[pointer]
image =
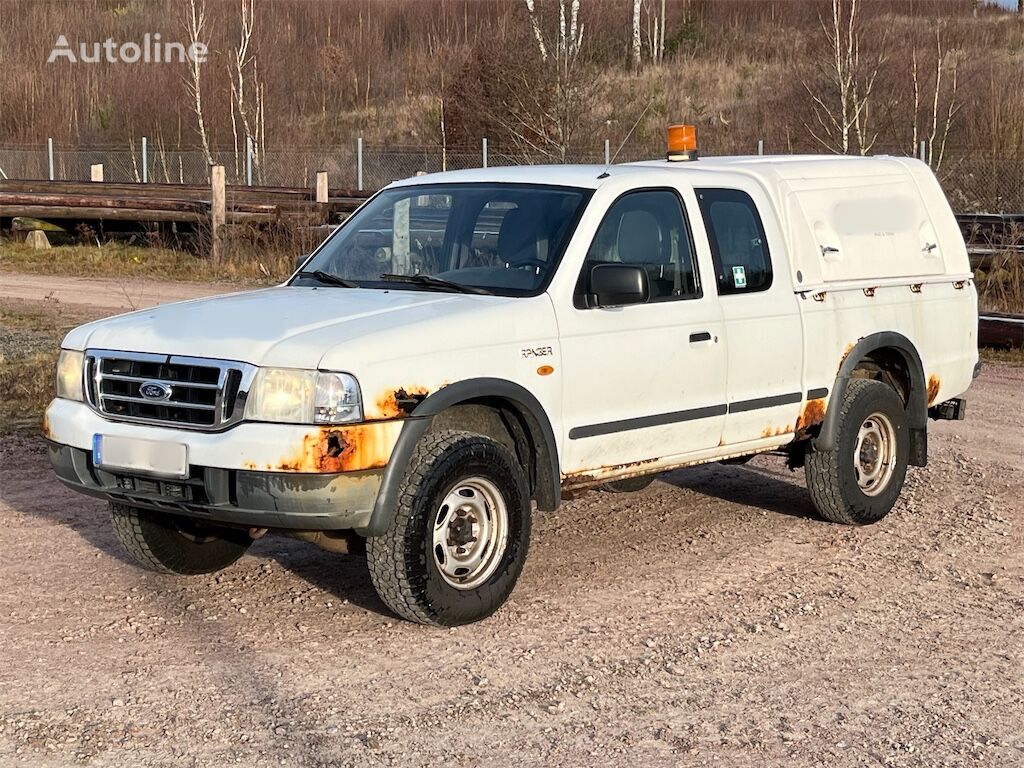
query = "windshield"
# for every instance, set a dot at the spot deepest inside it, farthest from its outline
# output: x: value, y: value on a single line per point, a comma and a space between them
x: 482, y: 238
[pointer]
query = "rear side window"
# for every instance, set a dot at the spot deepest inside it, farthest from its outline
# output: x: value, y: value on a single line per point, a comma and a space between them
x: 738, y: 243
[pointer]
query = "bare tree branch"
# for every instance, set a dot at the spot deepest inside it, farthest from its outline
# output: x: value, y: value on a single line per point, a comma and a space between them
x: 195, y: 25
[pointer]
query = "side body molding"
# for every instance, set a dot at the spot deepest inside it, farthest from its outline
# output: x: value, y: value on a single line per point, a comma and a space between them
x: 528, y: 408
x: 917, y: 397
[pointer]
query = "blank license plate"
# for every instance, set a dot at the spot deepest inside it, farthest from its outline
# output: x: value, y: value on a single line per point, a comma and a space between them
x: 153, y: 457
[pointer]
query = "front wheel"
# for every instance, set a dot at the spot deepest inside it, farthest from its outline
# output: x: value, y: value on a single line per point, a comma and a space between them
x: 859, y: 480
x: 170, y: 543
x: 461, y: 532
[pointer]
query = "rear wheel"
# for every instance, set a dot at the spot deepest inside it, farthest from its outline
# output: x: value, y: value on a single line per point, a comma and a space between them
x: 461, y: 532
x: 176, y: 544
x: 859, y: 480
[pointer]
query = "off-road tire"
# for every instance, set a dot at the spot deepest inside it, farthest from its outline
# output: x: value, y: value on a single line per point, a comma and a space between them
x: 831, y: 479
x: 167, y: 543
x: 401, y: 561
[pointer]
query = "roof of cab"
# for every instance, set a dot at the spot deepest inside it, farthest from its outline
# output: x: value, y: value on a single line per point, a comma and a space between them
x: 584, y: 176
x: 768, y: 169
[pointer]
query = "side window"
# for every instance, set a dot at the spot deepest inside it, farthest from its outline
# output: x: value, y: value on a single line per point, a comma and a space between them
x: 648, y: 229
x: 738, y: 243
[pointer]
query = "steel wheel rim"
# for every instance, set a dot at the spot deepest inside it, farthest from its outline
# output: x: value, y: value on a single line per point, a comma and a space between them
x: 470, y: 532
x: 874, y: 455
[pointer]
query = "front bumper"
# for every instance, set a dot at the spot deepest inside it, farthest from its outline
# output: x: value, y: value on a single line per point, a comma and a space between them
x: 237, y: 497
x: 255, y: 475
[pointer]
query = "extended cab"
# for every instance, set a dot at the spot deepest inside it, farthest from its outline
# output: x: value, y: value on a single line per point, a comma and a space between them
x: 470, y: 345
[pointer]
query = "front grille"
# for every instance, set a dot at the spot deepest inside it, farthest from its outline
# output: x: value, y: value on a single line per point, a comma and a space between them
x: 194, y: 393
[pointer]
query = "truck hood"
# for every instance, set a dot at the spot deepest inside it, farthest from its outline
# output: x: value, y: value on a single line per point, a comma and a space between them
x: 285, y: 326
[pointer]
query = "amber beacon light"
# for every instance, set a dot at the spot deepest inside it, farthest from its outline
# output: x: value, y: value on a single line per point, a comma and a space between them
x: 682, y: 142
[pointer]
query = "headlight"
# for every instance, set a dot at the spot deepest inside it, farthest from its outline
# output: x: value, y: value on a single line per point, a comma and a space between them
x: 69, y: 374
x: 337, y: 399
x: 304, y: 397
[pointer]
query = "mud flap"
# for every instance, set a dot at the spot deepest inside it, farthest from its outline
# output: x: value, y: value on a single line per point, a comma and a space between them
x: 918, y: 447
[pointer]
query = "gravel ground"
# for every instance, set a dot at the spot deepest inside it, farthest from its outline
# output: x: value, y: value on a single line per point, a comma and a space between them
x: 706, y: 620
x: 120, y: 295
x: 18, y: 342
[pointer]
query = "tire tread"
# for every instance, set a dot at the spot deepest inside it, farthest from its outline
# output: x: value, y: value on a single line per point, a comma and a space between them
x: 823, y: 468
x: 388, y: 556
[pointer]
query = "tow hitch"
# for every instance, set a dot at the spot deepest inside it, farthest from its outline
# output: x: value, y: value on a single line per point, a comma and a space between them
x: 951, y: 410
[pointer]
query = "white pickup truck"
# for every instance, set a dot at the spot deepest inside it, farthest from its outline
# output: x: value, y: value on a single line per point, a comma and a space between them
x: 471, y: 345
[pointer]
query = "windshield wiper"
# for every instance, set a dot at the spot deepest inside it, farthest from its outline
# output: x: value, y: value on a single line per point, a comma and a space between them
x: 328, y: 279
x: 429, y: 281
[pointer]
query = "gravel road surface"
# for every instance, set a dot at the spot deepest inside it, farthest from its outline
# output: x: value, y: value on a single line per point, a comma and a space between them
x: 708, y: 620
x: 109, y: 293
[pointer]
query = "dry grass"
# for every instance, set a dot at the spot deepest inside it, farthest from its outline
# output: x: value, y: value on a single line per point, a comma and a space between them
x: 1001, y: 283
x: 30, y: 336
x: 119, y: 260
x: 1013, y: 357
x: 26, y: 386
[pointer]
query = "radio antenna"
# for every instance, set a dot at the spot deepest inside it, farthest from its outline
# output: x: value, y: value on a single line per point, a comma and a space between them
x: 604, y: 173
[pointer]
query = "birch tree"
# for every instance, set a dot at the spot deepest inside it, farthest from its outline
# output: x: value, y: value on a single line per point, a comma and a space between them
x: 531, y: 9
x: 195, y: 26
x: 543, y: 117
x: 842, y: 99
x: 655, y: 29
x: 637, y: 4
x: 246, y: 89
x: 943, y: 104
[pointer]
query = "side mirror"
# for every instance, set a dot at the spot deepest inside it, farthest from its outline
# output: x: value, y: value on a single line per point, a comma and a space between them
x: 300, y: 260
x: 614, y: 285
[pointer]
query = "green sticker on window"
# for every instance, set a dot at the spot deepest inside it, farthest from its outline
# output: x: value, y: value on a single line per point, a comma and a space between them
x: 739, y: 277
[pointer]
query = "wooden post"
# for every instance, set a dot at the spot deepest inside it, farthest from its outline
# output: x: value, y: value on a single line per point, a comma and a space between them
x: 218, y: 212
x: 321, y: 186
x: 96, y: 172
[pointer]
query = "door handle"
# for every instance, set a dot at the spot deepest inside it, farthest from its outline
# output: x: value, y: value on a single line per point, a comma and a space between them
x: 702, y: 336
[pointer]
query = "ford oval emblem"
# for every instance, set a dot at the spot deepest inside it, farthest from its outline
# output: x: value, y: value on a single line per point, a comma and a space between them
x: 154, y: 390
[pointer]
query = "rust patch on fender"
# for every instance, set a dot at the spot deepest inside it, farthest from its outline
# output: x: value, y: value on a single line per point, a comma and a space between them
x: 46, y: 427
x: 812, y: 414
x: 933, y: 388
x: 399, y: 403
x: 331, y: 450
x: 846, y: 354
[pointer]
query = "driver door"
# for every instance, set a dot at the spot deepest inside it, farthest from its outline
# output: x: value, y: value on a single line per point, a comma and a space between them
x: 646, y: 381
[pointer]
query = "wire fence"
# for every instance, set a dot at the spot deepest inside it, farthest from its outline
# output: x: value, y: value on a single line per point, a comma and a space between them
x: 975, y: 181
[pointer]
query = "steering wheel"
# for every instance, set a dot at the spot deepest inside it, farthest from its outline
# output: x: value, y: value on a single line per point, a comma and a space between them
x: 522, y: 263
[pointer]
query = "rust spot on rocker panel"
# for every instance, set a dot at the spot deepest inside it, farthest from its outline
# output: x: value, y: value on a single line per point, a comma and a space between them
x: 812, y: 414
x: 770, y: 431
x: 578, y: 481
x: 933, y: 388
x: 330, y: 450
x: 398, y: 403
x: 607, y: 471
